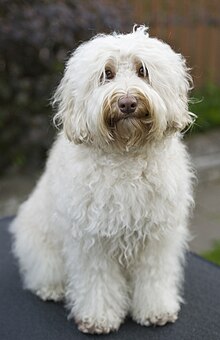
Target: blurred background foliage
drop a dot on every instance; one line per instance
(36, 38)
(213, 255)
(206, 104)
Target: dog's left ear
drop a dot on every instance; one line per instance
(179, 117)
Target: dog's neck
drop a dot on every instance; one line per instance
(112, 149)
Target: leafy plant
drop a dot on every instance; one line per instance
(206, 105)
(35, 39)
(214, 254)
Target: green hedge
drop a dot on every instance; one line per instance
(206, 105)
(36, 38)
(214, 254)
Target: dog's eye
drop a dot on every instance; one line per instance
(109, 74)
(142, 72)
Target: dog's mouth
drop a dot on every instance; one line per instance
(135, 116)
(141, 116)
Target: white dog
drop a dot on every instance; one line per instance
(106, 226)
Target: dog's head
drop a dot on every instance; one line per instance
(123, 90)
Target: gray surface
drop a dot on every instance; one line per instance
(25, 317)
(205, 225)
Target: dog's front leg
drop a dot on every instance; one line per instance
(157, 280)
(97, 290)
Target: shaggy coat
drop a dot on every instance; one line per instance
(106, 226)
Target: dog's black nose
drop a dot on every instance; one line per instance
(127, 104)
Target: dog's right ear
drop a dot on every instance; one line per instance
(68, 117)
(64, 105)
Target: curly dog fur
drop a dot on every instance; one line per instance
(106, 226)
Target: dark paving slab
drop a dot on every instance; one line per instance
(25, 317)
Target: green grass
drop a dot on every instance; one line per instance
(206, 105)
(214, 254)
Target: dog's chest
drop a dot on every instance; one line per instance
(117, 206)
(122, 203)
(118, 200)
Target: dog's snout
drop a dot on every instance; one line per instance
(127, 104)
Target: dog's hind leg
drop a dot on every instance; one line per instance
(38, 251)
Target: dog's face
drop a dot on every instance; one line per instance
(123, 90)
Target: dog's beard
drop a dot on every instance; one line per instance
(127, 130)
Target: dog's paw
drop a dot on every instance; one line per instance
(91, 326)
(156, 310)
(53, 292)
(156, 319)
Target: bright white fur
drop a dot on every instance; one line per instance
(106, 226)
